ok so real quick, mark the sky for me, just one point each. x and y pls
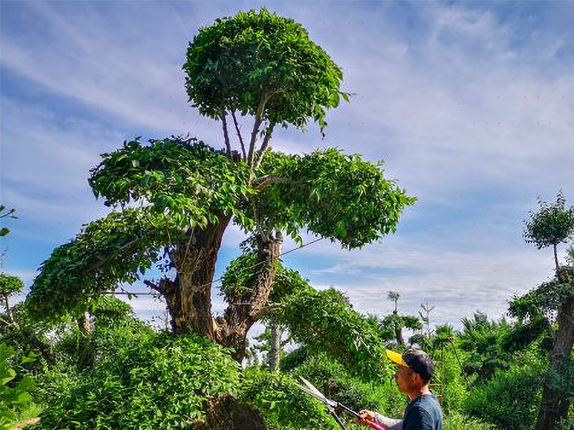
(469, 104)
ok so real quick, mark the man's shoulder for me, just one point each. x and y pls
(423, 413)
(425, 401)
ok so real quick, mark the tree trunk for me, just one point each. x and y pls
(398, 330)
(399, 336)
(84, 324)
(243, 311)
(8, 310)
(228, 413)
(275, 349)
(188, 297)
(554, 406)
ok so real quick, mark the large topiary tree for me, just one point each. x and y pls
(175, 197)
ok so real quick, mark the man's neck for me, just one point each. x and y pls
(419, 392)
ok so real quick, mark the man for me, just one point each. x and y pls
(415, 369)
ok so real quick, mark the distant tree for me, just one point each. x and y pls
(552, 301)
(552, 225)
(396, 323)
(483, 340)
(9, 285)
(394, 296)
(424, 314)
(270, 343)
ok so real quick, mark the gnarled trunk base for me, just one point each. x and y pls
(227, 413)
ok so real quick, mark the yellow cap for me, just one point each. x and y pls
(396, 358)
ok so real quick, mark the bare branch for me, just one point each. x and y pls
(264, 181)
(264, 145)
(225, 133)
(270, 308)
(253, 140)
(12, 323)
(256, 126)
(239, 135)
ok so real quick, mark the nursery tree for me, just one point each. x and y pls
(553, 302)
(395, 322)
(175, 197)
(9, 285)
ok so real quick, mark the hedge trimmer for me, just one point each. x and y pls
(333, 405)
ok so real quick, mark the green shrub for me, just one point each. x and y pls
(160, 384)
(15, 399)
(510, 399)
(282, 403)
(456, 421)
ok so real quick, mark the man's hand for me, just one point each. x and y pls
(366, 416)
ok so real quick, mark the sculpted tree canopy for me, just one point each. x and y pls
(262, 65)
(174, 198)
(552, 225)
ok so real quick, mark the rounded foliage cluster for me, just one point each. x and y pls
(263, 65)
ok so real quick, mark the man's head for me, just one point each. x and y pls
(415, 369)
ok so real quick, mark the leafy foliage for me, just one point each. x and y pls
(117, 248)
(545, 299)
(511, 398)
(389, 324)
(264, 65)
(115, 329)
(338, 196)
(163, 382)
(15, 398)
(282, 403)
(326, 321)
(483, 342)
(183, 178)
(551, 225)
(10, 284)
(239, 275)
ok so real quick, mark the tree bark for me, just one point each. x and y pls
(398, 329)
(554, 406)
(8, 310)
(84, 324)
(244, 311)
(188, 296)
(275, 347)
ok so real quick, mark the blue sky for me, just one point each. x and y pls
(470, 104)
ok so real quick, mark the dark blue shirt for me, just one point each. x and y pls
(423, 413)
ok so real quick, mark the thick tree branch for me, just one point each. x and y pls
(239, 135)
(164, 285)
(226, 134)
